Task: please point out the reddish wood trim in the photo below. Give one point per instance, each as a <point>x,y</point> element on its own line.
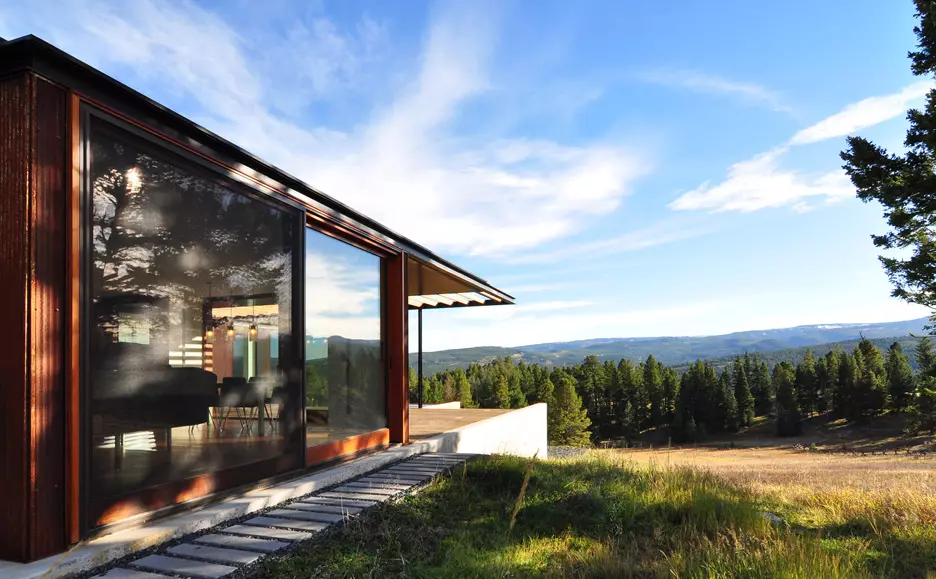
<point>323,217</point>
<point>15,107</point>
<point>46,321</point>
<point>114,510</point>
<point>347,234</point>
<point>397,315</point>
<point>348,446</point>
<point>73,323</point>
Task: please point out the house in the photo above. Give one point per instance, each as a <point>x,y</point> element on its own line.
<point>181,319</point>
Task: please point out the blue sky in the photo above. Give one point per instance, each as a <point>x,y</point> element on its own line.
<point>624,168</point>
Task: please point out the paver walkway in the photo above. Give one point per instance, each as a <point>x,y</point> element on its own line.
<point>226,549</point>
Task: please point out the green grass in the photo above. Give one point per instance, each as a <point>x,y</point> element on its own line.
<point>596,517</point>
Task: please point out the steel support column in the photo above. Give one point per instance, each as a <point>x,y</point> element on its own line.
<point>419,369</point>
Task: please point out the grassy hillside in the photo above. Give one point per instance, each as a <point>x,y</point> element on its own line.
<point>602,515</point>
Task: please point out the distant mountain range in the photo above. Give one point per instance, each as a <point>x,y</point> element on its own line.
<point>785,342</point>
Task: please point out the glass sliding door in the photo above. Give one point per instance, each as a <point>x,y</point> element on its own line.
<point>191,316</point>
<point>345,379</point>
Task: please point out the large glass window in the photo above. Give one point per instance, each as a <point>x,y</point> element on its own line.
<point>345,389</point>
<point>191,289</point>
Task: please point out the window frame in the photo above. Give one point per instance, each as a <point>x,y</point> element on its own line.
<point>378,438</point>
<point>94,519</point>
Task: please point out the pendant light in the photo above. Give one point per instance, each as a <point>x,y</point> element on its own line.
<point>252,332</point>
<point>209,327</point>
<point>230,328</point>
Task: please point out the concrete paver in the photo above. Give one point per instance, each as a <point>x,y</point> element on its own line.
<point>242,543</point>
<point>308,516</point>
<point>128,574</point>
<point>339,510</point>
<point>214,554</point>
<point>286,524</point>
<point>184,567</point>
<point>267,533</point>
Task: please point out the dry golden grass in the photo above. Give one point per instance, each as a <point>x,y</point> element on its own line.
<point>785,469</point>
<point>888,500</point>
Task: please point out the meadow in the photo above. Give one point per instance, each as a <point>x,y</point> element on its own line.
<point>669,513</point>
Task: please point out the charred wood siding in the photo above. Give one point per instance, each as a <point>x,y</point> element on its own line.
<point>32,293</point>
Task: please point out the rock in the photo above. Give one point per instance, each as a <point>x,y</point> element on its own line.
<point>773,519</point>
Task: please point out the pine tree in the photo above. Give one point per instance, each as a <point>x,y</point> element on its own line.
<point>900,380</point>
<point>708,415</point>
<point>923,410</point>
<point>906,184</point>
<point>632,390</point>
<point>567,421</point>
<point>527,379</point>
<point>844,395</point>
<point>683,412</point>
<point>788,411</point>
<point>670,393</point>
<point>728,405</point>
<point>629,427</point>
<point>925,357</point>
<point>590,385</point>
<point>463,387</point>
<point>761,387</point>
<point>827,378</point>
<point>610,426</point>
<point>501,392</point>
<point>542,387</point>
<point>517,398</point>
<point>653,383</point>
<point>870,394</point>
<point>806,385</point>
<point>742,392</point>
<point>413,386</point>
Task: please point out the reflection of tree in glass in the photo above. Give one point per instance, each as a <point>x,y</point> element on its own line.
<point>161,231</point>
<point>355,384</point>
<point>316,383</point>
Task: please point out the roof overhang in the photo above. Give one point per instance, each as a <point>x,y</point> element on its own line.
<point>432,285</point>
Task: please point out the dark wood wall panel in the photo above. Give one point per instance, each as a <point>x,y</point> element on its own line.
<point>398,354</point>
<point>15,113</point>
<point>32,294</point>
<point>46,322</point>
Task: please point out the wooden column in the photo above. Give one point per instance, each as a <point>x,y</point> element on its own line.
<point>32,301</point>
<point>397,349</point>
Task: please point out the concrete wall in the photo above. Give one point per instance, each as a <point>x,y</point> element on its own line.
<point>520,432</point>
<point>446,405</point>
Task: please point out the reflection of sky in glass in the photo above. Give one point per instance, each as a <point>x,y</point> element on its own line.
<point>342,289</point>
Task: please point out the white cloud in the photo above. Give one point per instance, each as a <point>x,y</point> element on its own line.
<point>760,183</point>
<point>660,234</point>
<point>542,287</point>
<point>343,296</point>
<point>862,114</point>
<point>401,164</point>
<point>709,84</point>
